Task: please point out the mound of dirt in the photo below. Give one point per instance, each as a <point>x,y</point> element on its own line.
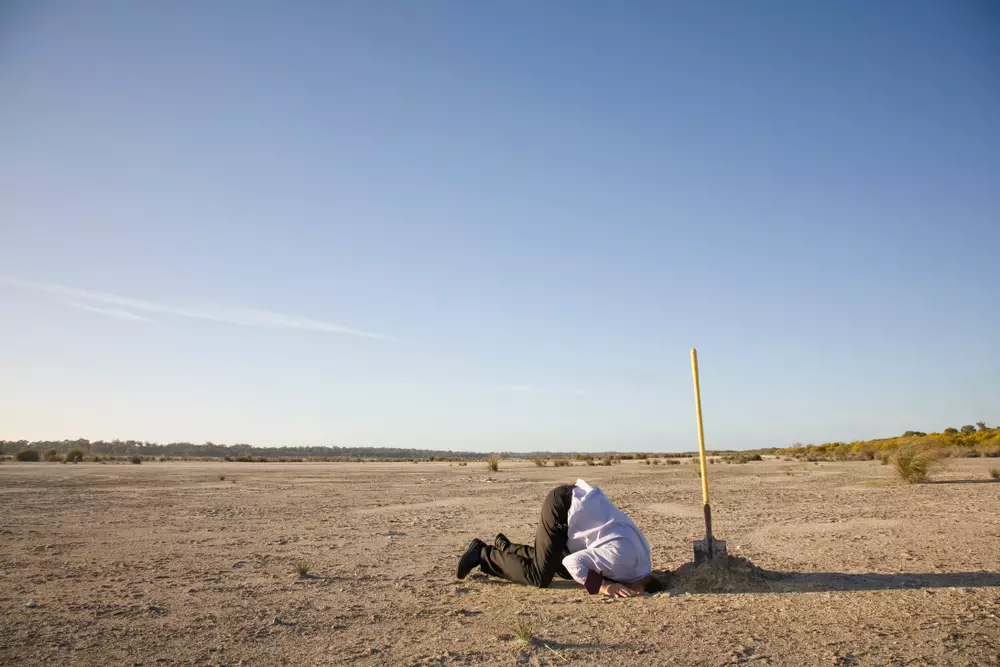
<point>722,574</point>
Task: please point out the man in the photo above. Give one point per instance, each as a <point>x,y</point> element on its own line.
<point>581,536</point>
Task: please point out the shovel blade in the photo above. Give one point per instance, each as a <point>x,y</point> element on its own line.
<point>707,549</point>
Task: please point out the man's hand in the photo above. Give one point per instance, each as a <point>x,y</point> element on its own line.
<point>617,590</point>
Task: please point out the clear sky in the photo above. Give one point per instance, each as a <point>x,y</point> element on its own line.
<point>498,226</point>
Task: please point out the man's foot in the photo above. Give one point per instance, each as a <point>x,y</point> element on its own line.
<point>501,542</point>
<point>470,558</point>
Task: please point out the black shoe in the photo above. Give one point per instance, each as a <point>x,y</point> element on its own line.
<point>501,542</point>
<point>470,559</point>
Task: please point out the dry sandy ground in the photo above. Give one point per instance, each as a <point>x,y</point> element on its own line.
<point>167,564</point>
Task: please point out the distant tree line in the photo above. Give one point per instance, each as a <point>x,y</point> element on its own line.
<point>213,450</point>
<point>129,448</point>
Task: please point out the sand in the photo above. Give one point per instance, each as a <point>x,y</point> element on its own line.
<point>167,564</point>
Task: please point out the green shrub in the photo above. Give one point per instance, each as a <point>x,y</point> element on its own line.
<point>51,455</point>
<point>136,459</point>
<point>913,464</point>
<point>74,456</point>
<point>27,455</point>
<point>884,458</point>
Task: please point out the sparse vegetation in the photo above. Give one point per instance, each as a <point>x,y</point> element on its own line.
<point>561,463</point>
<point>301,568</point>
<point>669,462</point>
<point>74,456</point>
<point>27,455</point>
<point>540,462</point>
<point>136,459</point>
<point>995,473</point>
<point>463,463</point>
<point>493,463</point>
<point>222,478</point>
<point>590,462</point>
<point>913,464</point>
<point>525,629</point>
<point>970,441</point>
<point>606,461</point>
<point>51,455</point>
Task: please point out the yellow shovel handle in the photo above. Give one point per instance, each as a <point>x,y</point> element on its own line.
<point>701,429</point>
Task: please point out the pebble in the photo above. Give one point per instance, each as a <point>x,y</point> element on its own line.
<point>31,604</point>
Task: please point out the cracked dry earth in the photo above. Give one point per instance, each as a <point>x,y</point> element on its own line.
<point>167,564</point>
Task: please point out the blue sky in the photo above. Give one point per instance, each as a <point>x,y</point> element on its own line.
<point>498,227</point>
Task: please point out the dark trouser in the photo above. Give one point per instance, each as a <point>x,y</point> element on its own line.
<point>535,566</point>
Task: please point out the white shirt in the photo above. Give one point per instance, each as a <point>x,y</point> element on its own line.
<point>602,538</point>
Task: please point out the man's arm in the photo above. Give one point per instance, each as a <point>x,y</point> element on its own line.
<point>586,567</point>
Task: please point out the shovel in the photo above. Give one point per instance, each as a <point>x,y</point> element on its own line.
<point>708,548</point>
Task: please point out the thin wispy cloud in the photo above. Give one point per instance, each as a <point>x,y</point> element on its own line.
<point>522,388</point>
<point>239,316</point>
<point>113,312</point>
<point>534,389</point>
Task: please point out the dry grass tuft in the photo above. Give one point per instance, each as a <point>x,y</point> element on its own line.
<point>540,462</point>
<point>301,568</point>
<point>525,629</point>
<point>995,473</point>
<point>494,463</point>
<point>561,463</point>
<point>913,464</point>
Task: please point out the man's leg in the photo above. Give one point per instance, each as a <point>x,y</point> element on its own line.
<point>525,551</point>
<point>536,565</point>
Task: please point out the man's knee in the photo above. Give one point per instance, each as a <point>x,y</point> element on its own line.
<point>543,581</point>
